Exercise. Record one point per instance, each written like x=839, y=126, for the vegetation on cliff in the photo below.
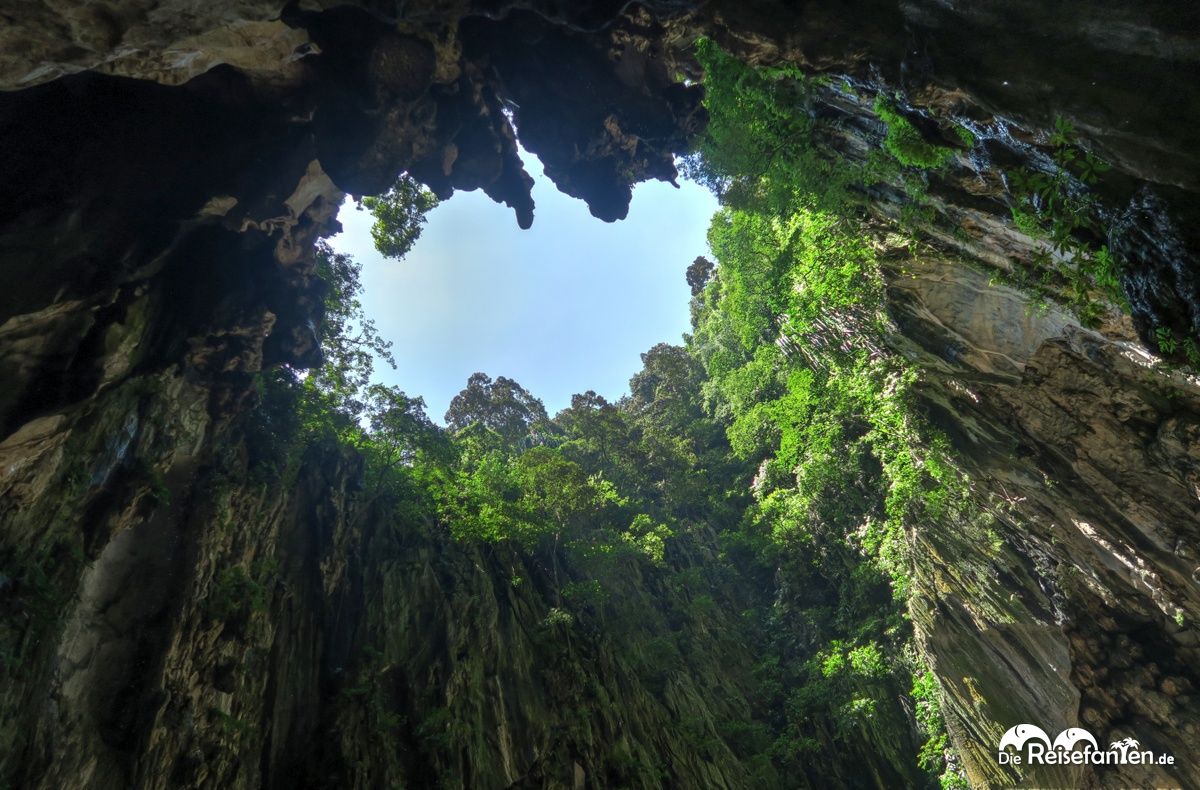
x=781, y=440
x=776, y=465
x=914, y=475
x=757, y=487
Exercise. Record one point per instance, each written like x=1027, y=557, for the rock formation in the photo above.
x=169, y=166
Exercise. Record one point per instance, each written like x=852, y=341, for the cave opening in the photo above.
x=478, y=293
x=924, y=465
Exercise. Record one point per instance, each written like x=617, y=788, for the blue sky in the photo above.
x=564, y=307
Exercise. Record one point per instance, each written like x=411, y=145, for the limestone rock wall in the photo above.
x=1070, y=600
x=167, y=620
x=1067, y=598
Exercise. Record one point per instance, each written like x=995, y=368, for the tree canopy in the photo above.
x=399, y=215
x=502, y=405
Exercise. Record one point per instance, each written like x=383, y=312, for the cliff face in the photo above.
x=168, y=619
x=1068, y=600
x=1074, y=596
x=211, y=628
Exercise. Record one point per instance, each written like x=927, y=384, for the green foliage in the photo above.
x=401, y=444
x=698, y=274
x=350, y=344
x=438, y=730
x=235, y=594
x=36, y=596
x=906, y=143
x=1057, y=206
x=334, y=400
x=656, y=658
x=231, y=726
x=370, y=690
x=702, y=607
x=585, y=593
x=762, y=145
x=635, y=765
x=337, y=402
x=558, y=618
x=598, y=488
x=813, y=392
x=548, y=503
x=699, y=735
x=648, y=538
x=789, y=330
x=867, y=661
x=769, y=466
x=1191, y=352
x=1171, y=345
x=503, y=406
x=932, y=758
x=526, y=498
x=1165, y=338
x=156, y=481
x=399, y=214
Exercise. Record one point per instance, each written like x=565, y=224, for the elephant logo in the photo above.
x=1021, y=734
x=1068, y=738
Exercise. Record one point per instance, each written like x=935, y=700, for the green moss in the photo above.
x=558, y=618
x=235, y=595
x=905, y=142
x=1058, y=206
x=585, y=593
x=155, y=480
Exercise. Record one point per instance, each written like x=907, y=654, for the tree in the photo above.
x=400, y=435
x=699, y=273
x=667, y=387
x=399, y=214
x=350, y=343
x=331, y=397
x=593, y=423
x=503, y=405
x=560, y=499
